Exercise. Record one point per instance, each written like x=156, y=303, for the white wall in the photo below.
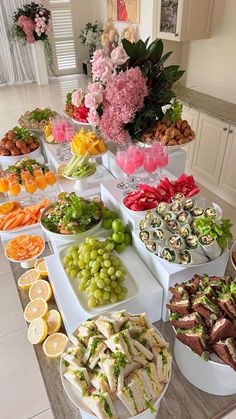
x=145, y=28
x=211, y=63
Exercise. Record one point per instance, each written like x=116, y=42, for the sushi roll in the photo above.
x=169, y=215
x=172, y=226
x=192, y=243
x=210, y=246
x=161, y=235
x=176, y=242
x=180, y=197
x=144, y=224
x=197, y=212
x=210, y=212
x=191, y=257
x=189, y=204
x=149, y=216
x=161, y=208
x=184, y=217
x=152, y=246
x=176, y=207
x=157, y=222
x=169, y=255
x=184, y=231
x=195, y=232
x=145, y=235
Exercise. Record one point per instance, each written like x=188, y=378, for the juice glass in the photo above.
x=129, y=167
x=14, y=187
x=25, y=174
x=37, y=173
x=30, y=185
x=150, y=163
x=120, y=157
x=50, y=177
x=41, y=182
x=163, y=160
x=4, y=184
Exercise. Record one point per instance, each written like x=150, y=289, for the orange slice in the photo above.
x=7, y=207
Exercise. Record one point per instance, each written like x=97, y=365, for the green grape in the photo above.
x=71, y=263
x=124, y=290
x=92, y=241
x=97, y=294
x=94, y=254
x=107, y=288
x=106, y=255
x=107, y=280
x=115, y=261
x=110, y=245
x=106, y=295
x=119, y=274
x=96, y=266
x=66, y=260
x=91, y=263
x=113, y=277
x=100, y=251
x=87, y=257
x=121, y=296
x=82, y=286
x=100, y=283
x=85, y=273
x=113, y=284
x=99, y=258
x=107, y=263
x=117, y=289
x=68, y=270
x=92, y=302
x=113, y=298
x=111, y=270
x=73, y=273
x=93, y=287
x=103, y=275
x=81, y=264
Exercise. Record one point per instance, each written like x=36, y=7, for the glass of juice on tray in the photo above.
x=4, y=184
x=41, y=182
x=30, y=185
x=50, y=177
x=14, y=187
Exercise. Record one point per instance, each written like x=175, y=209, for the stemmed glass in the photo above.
x=150, y=163
x=63, y=132
x=120, y=157
x=129, y=167
x=4, y=184
x=162, y=161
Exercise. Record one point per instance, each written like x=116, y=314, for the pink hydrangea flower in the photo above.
x=93, y=118
x=97, y=55
x=119, y=56
x=124, y=96
x=77, y=97
x=102, y=70
x=28, y=27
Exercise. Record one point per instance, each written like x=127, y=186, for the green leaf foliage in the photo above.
x=160, y=79
x=220, y=232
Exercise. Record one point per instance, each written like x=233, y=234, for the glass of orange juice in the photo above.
x=30, y=185
x=14, y=187
x=50, y=177
x=41, y=182
x=37, y=173
x=4, y=184
x=25, y=174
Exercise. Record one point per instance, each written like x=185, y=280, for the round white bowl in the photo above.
x=86, y=413
x=28, y=263
x=68, y=237
x=7, y=160
x=213, y=377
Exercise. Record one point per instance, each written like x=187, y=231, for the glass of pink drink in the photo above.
x=129, y=167
x=120, y=157
x=150, y=163
x=163, y=160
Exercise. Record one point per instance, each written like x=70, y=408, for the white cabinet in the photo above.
x=210, y=148
x=183, y=20
x=191, y=115
x=228, y=173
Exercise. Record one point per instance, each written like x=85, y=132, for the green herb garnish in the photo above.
x=220, y=232
x=150, y=406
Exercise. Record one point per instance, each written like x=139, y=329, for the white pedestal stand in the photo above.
x=40, y=62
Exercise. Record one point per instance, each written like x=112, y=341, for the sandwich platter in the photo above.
x=108, y=373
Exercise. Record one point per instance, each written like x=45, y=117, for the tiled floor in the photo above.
x=22, y=392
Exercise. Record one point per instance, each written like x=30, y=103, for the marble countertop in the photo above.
x=215, y=107
x=181, y=401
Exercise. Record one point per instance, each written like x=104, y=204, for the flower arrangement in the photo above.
x=75, y=106
x=90, y=36
x=110, y=37
x=32, y=22
x=129, y=33
x=129, y=89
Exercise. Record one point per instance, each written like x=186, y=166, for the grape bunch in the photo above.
x=101, y=272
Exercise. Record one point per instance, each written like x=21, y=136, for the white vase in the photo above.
x=40, y=64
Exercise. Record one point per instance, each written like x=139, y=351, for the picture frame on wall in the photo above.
x=123, y=10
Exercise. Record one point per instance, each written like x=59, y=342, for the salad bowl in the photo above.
x=66, y=210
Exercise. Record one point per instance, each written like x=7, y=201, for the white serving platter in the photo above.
x=129, y=283
x=77, y=399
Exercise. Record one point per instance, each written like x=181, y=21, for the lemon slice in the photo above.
x=37, y=262
x=60, y=169
x=37, y=331
x=53, y=320
x=54, y=345
x=41, y=267
x=40, y=289
x=35, y=308
x=28, y=278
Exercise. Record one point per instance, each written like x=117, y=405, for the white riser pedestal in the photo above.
x=40, y=63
